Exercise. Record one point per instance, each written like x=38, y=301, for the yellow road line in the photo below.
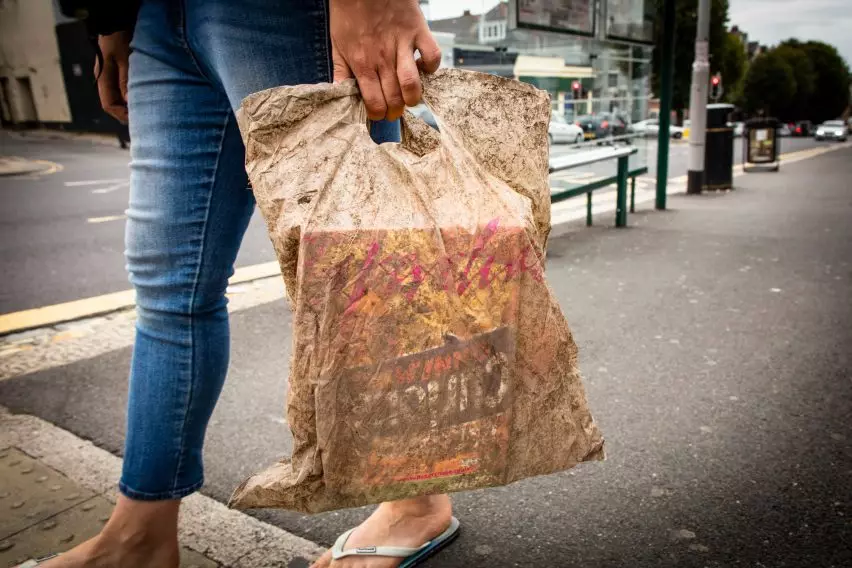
x=98, y=305
x=90, y=307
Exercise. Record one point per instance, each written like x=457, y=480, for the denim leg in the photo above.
x=189, y=208
x=193, y=62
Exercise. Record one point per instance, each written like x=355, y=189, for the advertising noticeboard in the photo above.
x=563, y=16
x=631, y=20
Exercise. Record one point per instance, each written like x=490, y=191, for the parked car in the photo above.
x=560, y=130
x=803, y=128
x=651, y=127
x=601, y=126
x=784, y=130
x=831, y=130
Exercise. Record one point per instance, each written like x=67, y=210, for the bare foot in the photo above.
x=408, y=523
x=139, y=534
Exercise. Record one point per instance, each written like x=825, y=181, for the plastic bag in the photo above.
x=429, y=354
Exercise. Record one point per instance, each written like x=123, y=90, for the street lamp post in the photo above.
x=667, y=65
x=698, y=100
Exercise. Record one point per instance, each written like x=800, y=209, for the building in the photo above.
x=47, y=69
x=32, y=89
x=582, y=74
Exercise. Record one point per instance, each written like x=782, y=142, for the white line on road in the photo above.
x=94, y=182
x=106, y=219
x=112, y=188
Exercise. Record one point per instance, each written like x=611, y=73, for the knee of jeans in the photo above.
x=168, y=288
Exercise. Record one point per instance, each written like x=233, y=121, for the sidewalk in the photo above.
x=714, y=339
x=57, y=490
x=45, y=512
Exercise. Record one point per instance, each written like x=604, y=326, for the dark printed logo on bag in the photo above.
x=435, y=414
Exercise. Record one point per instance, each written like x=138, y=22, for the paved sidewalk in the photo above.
x=57, y=490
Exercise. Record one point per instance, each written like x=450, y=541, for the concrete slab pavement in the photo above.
x=714, y=338
x=57, y=490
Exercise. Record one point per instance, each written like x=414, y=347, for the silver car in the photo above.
x=831, y=130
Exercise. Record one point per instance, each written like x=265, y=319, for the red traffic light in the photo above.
x=575, y=85
x=716, y=80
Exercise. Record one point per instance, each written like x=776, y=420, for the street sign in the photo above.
x=576, y=17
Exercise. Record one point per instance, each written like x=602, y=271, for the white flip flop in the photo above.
x=412, y=556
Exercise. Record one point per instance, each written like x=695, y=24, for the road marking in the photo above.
x=563, y=212
x=106, y=303
x=95, y=182
x=228, y=537
x=112, y=188
x=106, y=219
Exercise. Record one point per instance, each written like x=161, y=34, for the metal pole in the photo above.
x=667, y=59
x=621, y=193
x=698, y=100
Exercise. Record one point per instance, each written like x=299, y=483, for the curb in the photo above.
x=108, y=303
x=228, y=537
x=15, y=166
x=41, y=135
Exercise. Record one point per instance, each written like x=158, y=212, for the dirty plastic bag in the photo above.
x=429, y=354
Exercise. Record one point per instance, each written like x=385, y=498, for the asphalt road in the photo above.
x=62, y=235
x=714, y=339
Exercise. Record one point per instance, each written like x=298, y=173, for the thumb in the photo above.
x=341, y=69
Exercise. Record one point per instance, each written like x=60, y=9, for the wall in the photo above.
x=30, y=72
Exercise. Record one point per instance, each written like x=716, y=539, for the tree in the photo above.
x=733, y=66
x=798, y=107
x=831, y=86
x=769, y=85
x=686, y=14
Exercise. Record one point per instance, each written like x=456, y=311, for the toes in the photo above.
x=324, y=561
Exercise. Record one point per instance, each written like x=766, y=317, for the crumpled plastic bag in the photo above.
x=429, y=355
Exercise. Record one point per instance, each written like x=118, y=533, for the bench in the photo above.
x=567, y=190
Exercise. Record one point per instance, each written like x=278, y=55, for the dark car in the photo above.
x=802, y=128
x=601, y=126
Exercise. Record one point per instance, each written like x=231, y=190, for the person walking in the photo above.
x=179, y=81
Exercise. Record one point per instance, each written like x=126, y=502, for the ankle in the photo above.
x=137, y=525
x=425, y=506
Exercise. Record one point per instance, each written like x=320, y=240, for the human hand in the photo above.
x=112, y=79
x=374, y=42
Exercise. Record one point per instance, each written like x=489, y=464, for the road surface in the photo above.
x=714, y=339
x=62, y=234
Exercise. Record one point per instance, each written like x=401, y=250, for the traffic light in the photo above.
x=578, y=89
x=716, y=88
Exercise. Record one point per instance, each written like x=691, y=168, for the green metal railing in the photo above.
x=619, y=180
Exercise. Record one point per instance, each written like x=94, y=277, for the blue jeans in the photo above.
x=192, y=63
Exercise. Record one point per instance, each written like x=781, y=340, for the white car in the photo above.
x=831, y=130
x=560, y=130
x=651, y=127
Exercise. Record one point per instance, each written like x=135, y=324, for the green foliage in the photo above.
x=818, y=82
x=831, y=85
x=686, y=16
x=804, y=77
x=769, y=85
x=733, y=67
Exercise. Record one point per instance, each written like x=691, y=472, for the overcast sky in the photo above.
x=771, y=21
x=766, y=21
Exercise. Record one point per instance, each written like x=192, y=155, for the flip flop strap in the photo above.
x=338, y=552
